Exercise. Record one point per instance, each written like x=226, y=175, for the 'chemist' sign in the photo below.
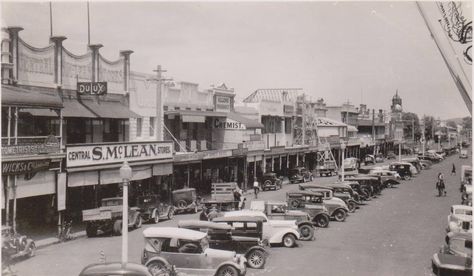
x=226, y=123
x=100, y=154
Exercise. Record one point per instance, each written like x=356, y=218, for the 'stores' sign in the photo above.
x=100, y=154
x=92, y=88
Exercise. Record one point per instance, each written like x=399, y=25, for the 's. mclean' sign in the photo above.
x=92, y=88
x=24, y=167
x=101, y=154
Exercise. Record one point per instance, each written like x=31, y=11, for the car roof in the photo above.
x=362, y=177
x=244, y=213
x=277, y=202
x=315, y=186
x=202, y=224
x=313, y=192
x=249, y=218
x=464, y=207
x=115, y=268
x=173, y=232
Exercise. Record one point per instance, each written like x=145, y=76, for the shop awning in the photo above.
x=249, y=123
x=16, y=96
x=193, y=119
x=73, y=108
x=195, y=113
x=42, y=112
x=110, y=109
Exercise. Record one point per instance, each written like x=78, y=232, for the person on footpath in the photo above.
x=453, y=171
x=255, y=187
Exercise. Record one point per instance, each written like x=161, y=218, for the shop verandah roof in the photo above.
x=31, y=97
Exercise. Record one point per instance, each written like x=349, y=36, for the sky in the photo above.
x=361, y=52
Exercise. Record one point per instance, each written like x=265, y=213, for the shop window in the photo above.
x=152, y=126
x=288, y=125
x=139, y=127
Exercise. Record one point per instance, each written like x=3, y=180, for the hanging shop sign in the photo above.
x=50, y=145
x=226, y=123
x=25, y=167
x=223, y=104
x=101, y=154
x=92, y=88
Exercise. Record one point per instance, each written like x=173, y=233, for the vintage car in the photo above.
x=379, y=158
x=188, y=251
x=15, y=246
x=415, y=162
x=403, y=169
x=108, y=217
x=152, y=209
x=351, y=164
x=214, y=208
x=300, y=175
x=370, y=184
x=460, y=219
x=220, y=237
x=388, y=178
x=369, y=159
x=454, y=258
x=278, y=210
x=391, y=155
x=362, y=192
x=115, y=268
x=326, y=167
x=336, y=207
x=274, y=231
x=185, y=200
x=463, y=154
x=425, y=164
x=270, y=181
x=341, y=191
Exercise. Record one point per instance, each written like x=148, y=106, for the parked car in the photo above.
x=430, y=156
x=220, y=237
x=403, y=169
x=278, y=210
x=460, y=219
x=185, y=200
x=326, y=167
x=363, y=193
x=369, y=159
x=463, y=154
x=379, y=158
x=351, y=164
x=270, y=181
x=15, y=246
x=337, y=208
x=152, y=209
x=188, y=251
x=391, y=155
x=425, y=164
x=274, y=231
x=454, y=258
x=108, y=217
x=300, y=175
x=371, y=184
x=115, y=268
x=415, y=162
x=217, y=208
x=388, y=178
x=341, y=191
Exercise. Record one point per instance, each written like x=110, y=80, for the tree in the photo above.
x=429, y=127
x=407, y=118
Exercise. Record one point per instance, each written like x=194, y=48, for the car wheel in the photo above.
x=322, y=221
x=351, y=206
x=256, y=259
x=138, y=222
x=340, y=215
x=227, y=270
x=157, y=268
x=117, y=227
x=294, y=203
x=289, y=240
x=171, y=214
x=31, y=250
x=182, y=204
x=91, y=230
x=306, y=232
x=157, y=217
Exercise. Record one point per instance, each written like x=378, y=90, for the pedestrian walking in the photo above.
x=453, y=171
x=256, y=187
x=440, y=186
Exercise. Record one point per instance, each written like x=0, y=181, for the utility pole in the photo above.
x=159, y=120
x=373, y=130
x=413, y=130
x=303, y=121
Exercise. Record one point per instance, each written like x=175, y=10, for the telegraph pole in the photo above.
x=373, y=130
x=303, y=121
x=159, y=120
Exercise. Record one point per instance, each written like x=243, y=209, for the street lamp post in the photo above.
x=126, y=175
x=343, y=148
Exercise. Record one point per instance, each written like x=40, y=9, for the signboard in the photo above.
x=61, y=191
x=35, y=65
x=223, y=104
x=226, y=123
x=101, y=154
x=277, y=150
x=25, y=167
x=75, y=69
x=239, y=151
x=50, y=145
x=254, y=145
x=92, y=88
x=195, y=156
x=217, y=154
x=270, y=108
x=288, y=109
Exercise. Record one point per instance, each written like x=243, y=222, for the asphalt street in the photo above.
x=394, y=234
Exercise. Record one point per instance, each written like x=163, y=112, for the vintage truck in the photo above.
x=108, y=217
x=327, y=168
x=279, y=210
x=222, y=200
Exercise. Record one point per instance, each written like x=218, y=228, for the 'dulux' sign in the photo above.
x=92, y=88
x=100, y=154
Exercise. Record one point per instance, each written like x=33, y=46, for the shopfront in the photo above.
x=93, y=172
